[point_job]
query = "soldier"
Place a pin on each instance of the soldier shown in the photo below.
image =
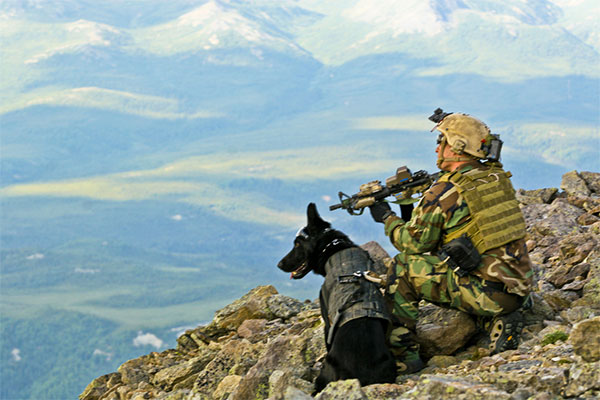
(463, 246)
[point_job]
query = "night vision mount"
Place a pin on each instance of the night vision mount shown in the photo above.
(438, 115)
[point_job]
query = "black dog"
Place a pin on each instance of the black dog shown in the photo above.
(352, 307)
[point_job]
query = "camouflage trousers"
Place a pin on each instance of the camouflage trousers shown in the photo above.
(425, 277)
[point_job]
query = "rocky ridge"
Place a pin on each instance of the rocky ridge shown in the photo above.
(269, 346)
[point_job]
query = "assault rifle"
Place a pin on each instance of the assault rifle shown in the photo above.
(403, 186)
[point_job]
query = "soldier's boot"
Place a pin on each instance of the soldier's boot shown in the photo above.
(505, 331)
(405, 351)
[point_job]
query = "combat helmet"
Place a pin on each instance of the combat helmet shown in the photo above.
(467, 135)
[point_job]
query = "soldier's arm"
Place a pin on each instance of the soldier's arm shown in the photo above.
(424, 230)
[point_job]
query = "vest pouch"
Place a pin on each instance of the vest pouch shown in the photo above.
(461, 255)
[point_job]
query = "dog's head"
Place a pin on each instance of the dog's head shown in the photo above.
(303, 258)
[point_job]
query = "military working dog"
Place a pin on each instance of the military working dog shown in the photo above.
(352, 307)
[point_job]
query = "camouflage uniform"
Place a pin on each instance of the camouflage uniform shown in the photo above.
(496, 287)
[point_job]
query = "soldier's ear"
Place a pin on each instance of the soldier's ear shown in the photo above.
(315, 222)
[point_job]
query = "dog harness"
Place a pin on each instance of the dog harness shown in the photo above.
(346, 294)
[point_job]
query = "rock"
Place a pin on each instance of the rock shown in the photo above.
(284, 307)
(169, 377)
(442, 361)
(574, 184)
(342, 390)
(292, 393)
(583, 378)
(577, 313)
(442, 331)
(559, 299)
(251, 327)
(556, 219)
(540, 310)
(100, 386)
(592, 180)
(226, 387)
(280, 381)
(253, 305)
(235, 358)
(587, 219)
(585, 338)
(288, 352)
(546, 380)
(449, 387)
(519, 365)
(575, 248)
(538, 196)
(379, 256)
(564, 274)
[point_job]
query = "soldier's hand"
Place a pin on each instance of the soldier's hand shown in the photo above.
(380, 211)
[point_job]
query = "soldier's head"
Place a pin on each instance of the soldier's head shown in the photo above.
(463, 138)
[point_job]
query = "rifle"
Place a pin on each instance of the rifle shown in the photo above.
(402, 186)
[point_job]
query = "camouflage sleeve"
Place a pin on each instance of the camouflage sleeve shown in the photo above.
(440, 209)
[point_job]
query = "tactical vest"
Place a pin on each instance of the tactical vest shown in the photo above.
(496, 218)
(346, 295)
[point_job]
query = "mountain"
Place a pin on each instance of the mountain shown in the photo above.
(157, 157)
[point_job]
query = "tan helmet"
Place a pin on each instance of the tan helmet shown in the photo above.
(465, 134)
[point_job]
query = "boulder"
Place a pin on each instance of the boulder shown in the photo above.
(592, 180)
(573, 184)
(380, 257)
(585, 338)
(253, 305)
(442, 331)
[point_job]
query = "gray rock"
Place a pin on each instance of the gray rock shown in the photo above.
(538, 196)
(519, 365)
(379, 256)
(592, 180)
(556, 219)
(573, 184)
(284, 307)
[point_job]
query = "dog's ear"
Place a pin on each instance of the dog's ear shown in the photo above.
(315, 222)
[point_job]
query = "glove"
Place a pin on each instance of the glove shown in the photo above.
(380, 211)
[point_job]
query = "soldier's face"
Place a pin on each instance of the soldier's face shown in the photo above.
(447, 153)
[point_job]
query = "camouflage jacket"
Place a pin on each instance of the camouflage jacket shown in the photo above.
(441, 209)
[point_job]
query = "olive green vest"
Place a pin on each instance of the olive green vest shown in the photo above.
(496, 218)
(346, 295)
